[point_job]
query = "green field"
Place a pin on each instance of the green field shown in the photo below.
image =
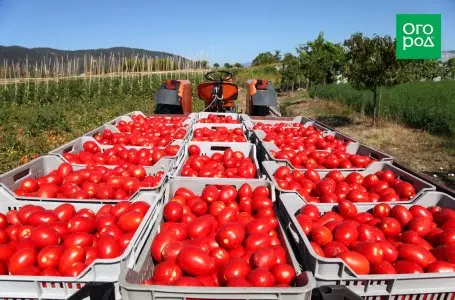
(425, 105)
(37, 117)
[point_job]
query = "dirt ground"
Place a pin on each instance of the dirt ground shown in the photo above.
(417, 149)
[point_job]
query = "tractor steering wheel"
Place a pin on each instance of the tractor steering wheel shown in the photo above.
(221, 76)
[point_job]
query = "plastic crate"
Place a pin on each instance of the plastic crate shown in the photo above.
(76, 146)
(101, 270)
(420, 185)
(216, 125)
(130, 279)
(208, 148)
(352, 148)
(330, 271)
(259, 136)
(114, 129)
(45, 164)
(191, 116)
(128, 118)
(205, 114)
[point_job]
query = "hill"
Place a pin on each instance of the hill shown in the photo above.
(19, 54)
(446, 55)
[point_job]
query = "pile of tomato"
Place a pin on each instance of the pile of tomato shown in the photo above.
(151, 137)
(119, 155)
(337, 159)
(385, 240)
(229, 164)
(219, 134)
(212, 118)
(92, 182)
(223, 237)
(382, 186)
(140, 120)
(35, 241)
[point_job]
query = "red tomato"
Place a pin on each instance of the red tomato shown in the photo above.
(130, 221)
(334, 248)
(382, 210)
(210, 194)
(346, 232)
(236, 267)
(402, 214)
(311, 211)
(372, 251)
(421, 225)
(159, 242)
(108, 247)
(49, 257)
(256, 241)
(347, 209)
(194, 261)
(167, 272)
(440, 267)
(65, 211)
(264, 258)
(321, 235)
(21, 260)
(44, 235)
(415, 254)
(390, 227)
(230, 235)
(283, 273)
(139, 206)
(383, 268)
(81, 224)
(356, 261)
(407, 267)
(42, 217)
(261, 277)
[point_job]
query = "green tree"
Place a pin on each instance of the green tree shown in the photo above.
(202, 64)
(264, 58)
(227, 65)
(238, 65)
(371, 64)
(277, 55)
(321, 61)
(216, 65)
(291, 71)
(449, 69)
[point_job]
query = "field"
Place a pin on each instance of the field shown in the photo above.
(425, 105)
(38, 116)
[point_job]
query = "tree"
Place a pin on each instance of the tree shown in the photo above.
(216, 65)
(322, 61)
(291, 71)
(277, 55)
(371, 64)
(449, 69)
(227, 65)
(202, 64)
(264, 58)
(238, 65)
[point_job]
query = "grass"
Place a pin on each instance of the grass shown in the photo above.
(416, 148)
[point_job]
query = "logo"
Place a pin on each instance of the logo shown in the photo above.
(418, 36)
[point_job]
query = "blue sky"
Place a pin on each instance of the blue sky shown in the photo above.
(220, 31)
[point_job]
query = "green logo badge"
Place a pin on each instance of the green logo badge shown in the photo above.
(418, 36)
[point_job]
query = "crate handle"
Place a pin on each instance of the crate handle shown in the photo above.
(95, 290)
(335, 292)
(66, 150)
(292, 229)
(219, 148)
(374, 155)
(21, 174)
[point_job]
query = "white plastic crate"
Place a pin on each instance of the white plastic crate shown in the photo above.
(45, 164)
(333, 271)
(101, 270)
(213, 126)
(352, 148)
(420, 185)
(130, 279)
(209, 148)
(76, 146)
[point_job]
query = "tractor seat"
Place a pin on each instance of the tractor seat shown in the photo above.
(229, 91)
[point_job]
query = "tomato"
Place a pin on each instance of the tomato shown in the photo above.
(347, 209)
(238, 282)
(50, 272)
(235, 268)
(405, 190)
(264, 258)
(407, 267)
(259, 226)
(44, 235)
(12, 217)
(210, 194)
(65, 211)
(202, 227)
(42, 217)
(49, 256)
(6, 251)
(283, 273)
(81, 224)
(367, 233)
(327, 217)
(305, 223)
(120, 208)
(356, 261)
(139, 206)
(231, 235)
(167, 272)
(390, 253)
(440, 267)
(420, 211)
(227, 215)
(382, 210)
(108, 247)
(421, 225)
(254, 242)
(194, 150)
(130, 221)
(402, 214)
(383, 267)
(371, 250)
(390, 227)
(334, 248)
(199, 207)
(194, 261)
(261, 191)
(228, 193)
(261, 277)
(311, 211)
(22, 259)
(321, 235)
(416, 254)
(346, 233)
(74, 270)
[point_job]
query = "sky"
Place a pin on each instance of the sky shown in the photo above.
(218, 31)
